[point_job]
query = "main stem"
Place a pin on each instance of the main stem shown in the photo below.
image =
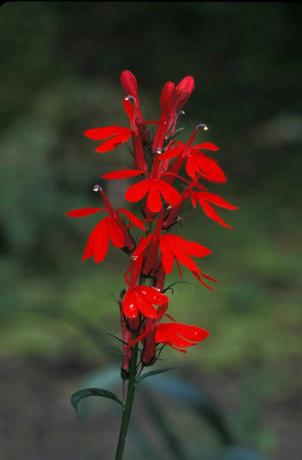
(127, 407)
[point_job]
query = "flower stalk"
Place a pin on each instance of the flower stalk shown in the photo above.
(157, 167)
(128, 404)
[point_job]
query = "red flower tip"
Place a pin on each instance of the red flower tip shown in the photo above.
(129, 83)
(183, 91)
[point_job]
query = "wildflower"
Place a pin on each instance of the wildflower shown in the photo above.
(179, 336)
(110, 229)
(142, 299)
(174, 248)
(196, 162)
(154, 188)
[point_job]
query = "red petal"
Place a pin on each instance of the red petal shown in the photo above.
(137, 191)
(167, 255)
(101, 244)
(218, 201)
(209, 169)
(212, 214)
(113, 142)
(122, 174)
(116, 234)
(83, 212)
(128, 82)
(170, 194)
(89, 248)
(195, 249)
(129, 305)
(98, 134)
(207, 146)
(144, 242)
(179, 334)
(154, 203)
(192, 167)
(153, 295)
(132, 217)
(171, 153)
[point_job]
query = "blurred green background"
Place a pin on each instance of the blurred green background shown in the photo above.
(59, 76)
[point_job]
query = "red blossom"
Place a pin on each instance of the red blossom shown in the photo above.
(111, 229)
(206, 199)
(154, 188)
(179, 336)
(174, 248)
(142, 299)
(196, 163)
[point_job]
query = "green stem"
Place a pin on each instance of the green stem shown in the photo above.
(127, 408)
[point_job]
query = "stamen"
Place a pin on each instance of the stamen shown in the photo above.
(130, 98)
(202, 126)
(159, 151)
(97, 188)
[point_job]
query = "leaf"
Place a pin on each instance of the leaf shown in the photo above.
(87, 392)
(156, 371)
(195, 398)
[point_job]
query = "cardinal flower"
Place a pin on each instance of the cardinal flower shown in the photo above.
(155, 189)
(206, 200)
(172, 99)
(179, 336)
(111, 229)
(197, 164)
(142, 299)
(174, 248)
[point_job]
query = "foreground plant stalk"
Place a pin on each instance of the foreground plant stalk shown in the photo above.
(127, 405)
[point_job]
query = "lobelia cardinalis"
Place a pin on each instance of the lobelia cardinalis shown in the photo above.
(157, 164)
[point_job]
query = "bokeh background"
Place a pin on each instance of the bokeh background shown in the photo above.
(60, 66)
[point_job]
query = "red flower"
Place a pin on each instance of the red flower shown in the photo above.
(197, 163)
(179, 336)
(205, 198)
(115, 136)
(111, 229)
(174, 248)
(172, 99)
(156, 189)
(142, 299)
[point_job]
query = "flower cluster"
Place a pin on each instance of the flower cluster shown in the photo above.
(159, 159)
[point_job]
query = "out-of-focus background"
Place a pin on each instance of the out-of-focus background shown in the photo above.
(60, 66)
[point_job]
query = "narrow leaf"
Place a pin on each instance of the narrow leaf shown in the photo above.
(87, 392)
(156, 371)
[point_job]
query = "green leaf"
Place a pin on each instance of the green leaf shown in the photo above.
(87, 392)
(156, 371)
